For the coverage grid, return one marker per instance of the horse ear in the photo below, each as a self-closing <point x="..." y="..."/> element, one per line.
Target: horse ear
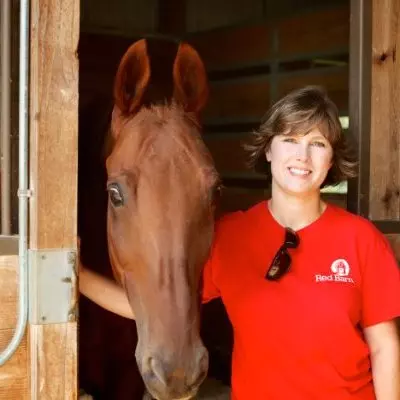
<point x="132" y="77"/>
<point x="190" y="79"/>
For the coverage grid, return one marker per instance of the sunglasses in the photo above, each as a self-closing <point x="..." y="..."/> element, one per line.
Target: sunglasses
<point x="281" y="262"/>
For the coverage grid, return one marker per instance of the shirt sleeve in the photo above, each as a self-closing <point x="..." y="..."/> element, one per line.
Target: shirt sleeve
<point x="380" y="282"/>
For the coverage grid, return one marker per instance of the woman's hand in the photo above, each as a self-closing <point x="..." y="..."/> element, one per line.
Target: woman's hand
<point x="102" y="291"/>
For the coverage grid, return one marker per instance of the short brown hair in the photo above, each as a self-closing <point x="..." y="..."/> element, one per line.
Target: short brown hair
<point x="299" y="112"/>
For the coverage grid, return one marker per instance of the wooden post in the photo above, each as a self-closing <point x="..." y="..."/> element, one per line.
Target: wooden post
<point x="53" y="177"/>
<point x="375" y="114"/>
<point x="385" y="112"/>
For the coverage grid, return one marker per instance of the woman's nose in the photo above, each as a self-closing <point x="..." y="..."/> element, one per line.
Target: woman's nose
<point x="302" y="152"/>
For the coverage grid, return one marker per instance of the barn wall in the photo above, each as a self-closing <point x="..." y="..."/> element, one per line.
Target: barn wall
<point x="14" y="374"/>
<point x="255" y="51"/>
<point x="253" y="65"/>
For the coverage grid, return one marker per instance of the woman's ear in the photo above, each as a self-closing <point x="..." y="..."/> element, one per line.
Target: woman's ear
<point x="268" y="154"/>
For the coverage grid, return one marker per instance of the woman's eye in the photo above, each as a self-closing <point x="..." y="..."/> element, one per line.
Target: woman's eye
<point x="319" y="144"/>
<point x="115" y="194"/>
<point x="289" y="140"/>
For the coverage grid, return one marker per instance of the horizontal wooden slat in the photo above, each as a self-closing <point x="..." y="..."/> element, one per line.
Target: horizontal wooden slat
<point x="14" y="373"/>
<point x="234" y="46"/>
<point x="14" y="389"/>
<point x="16" y="366"/>
<point x="323" y="32"/>
<point x="395" y="243"/>
<point x="319" y="32"/>
<point x="233" y="199"/>
<point x="335" y="81"/>
<point x="238" y="99"/>
<point x="228" y="152"/>
<point x="8" y="245"/>
<point x="8" y="291"/>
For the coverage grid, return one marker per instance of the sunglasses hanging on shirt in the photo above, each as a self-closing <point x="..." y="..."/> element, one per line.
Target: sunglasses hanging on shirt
<point x="281" y="262"/>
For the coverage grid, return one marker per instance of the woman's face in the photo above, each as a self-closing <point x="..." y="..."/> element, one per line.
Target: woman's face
<point x="300" y="163"/>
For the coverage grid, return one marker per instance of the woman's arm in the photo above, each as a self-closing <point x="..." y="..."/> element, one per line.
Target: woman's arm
<point x="104" y="292"/>
<point x="384" y="344"/>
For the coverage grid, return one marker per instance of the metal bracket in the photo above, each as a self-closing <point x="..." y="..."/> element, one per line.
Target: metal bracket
<point x="52" y="286"/>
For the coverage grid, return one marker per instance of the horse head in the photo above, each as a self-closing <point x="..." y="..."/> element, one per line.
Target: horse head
<point x="161" y="180"/>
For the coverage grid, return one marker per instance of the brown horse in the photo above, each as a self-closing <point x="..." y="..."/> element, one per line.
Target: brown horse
<point x="160" y="183"/>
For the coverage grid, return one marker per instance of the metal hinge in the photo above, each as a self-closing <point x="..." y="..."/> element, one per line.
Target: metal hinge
<point x="52" y="286"/>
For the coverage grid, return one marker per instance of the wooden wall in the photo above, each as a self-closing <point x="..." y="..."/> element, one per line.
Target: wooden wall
<point x="14" y="375"/>
<point x="375" y="121"/>
<point x="252" y="66"/>
<point x="53" y="179"/>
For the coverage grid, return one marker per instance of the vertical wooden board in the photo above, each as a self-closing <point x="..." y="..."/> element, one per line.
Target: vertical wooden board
<point x="385" y="112"/>
<point x="53" y="122"/>
<point x="54" y="347"/>
<point x="53" y="171"/>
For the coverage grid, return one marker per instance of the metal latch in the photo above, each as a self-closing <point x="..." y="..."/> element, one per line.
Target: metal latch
<point x="52" y="286"/>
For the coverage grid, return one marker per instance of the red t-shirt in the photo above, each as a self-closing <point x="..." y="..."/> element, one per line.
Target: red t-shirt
<point x="301" y="337"/>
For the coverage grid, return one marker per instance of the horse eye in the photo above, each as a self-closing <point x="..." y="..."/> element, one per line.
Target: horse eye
<point x="115" y="193"/>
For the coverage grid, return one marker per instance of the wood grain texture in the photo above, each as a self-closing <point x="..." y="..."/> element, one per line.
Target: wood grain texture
<point x="385" y="112"/>
<point x="394" y="240"/>
<point x="54" y="120"/>
<point x="14" y="373"/>
<point x="241" y="99"/>
<point x="53" y="170"/>
<point x="318" y="32"/>
<point x="8" y="291"/>
<point x="53" y="361"/>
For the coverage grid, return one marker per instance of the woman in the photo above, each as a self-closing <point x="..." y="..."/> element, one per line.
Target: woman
<point x="311" y="290"/>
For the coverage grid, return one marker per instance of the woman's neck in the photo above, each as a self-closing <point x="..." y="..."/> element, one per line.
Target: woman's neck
<point x="295" y="212"/>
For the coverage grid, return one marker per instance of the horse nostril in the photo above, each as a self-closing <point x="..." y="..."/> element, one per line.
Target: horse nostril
<point x="201" y="371"/>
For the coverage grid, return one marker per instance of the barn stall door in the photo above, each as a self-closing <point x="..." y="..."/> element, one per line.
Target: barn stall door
<point x="44" y="365"/>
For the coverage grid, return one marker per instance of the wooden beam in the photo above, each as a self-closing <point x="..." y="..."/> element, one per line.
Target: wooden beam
<point x="360" y="102"/>
<point x="385" y="112"/>
<point x="53" y="171"/>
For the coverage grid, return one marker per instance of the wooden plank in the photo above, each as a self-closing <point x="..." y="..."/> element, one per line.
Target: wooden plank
<point x="227" y="152"/>
<point x="395" y="243"/>
<point x="230" y="47"/>
<point x="53" y="171"/>
<point x="14" y="389"/>
<point x="318" y="32"/>
<point x="335" y="81"/>
<point x="54" y="348"/>
<point x="385" y="113"/>
<point x="14" y="373"/>
<point x="235" y="198"/>
<point x="53" y="123"/>
<point x="16" y="366"/>
<point x="8" y="291"/>
<point x="247" y="99"/>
